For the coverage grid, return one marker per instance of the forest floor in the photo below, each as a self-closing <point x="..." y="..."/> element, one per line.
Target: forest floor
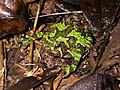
<point x="28" y="63"/>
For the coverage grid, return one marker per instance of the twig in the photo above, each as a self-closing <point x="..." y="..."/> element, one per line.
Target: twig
<point x="5" y="65"/>
<point x="57" y="81"/>
<point x="21" y="67"/>
<point x="34" y="28"/>
<point x="1" y="67"/>
<point x="31" y="53"/>
<point x="36" y="18"/>
<point x="62" y="13"/>
<point x="40" y="28"/>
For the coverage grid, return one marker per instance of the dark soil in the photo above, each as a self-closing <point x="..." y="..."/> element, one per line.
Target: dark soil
<point x="32" y="66"/>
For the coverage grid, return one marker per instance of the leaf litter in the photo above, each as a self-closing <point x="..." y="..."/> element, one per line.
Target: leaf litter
<point x="52" y="54"/>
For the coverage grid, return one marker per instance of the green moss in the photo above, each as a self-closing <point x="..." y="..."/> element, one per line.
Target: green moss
<point x="60" y="26"/>
<point x="70" y="39"/>
<point x="65" y="38"/>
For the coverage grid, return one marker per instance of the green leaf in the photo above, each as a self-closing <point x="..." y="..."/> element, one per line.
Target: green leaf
<point x="62" y="39"/>
<point x="67" y="68"/>
<point x="76" y="27"/>
<point x="48" y="39"/>
<point x="74" y="34"/>
<point x="21" y="39"/>
<point x="75" y="55"/>
<point x="39" y="34"/>
<point x="73" y="67"/>
<point x="89" y="38"/>
<point x="26" y="42"/>
<point x="81" y="40"/>
<point x="60" y="26"/>
<point x="52" y="34"/>
<point x="86" y="30"/>
<point x="31" y="38"/>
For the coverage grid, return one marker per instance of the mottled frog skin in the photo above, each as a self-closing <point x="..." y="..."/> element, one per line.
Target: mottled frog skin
<point x="12" y="17"/>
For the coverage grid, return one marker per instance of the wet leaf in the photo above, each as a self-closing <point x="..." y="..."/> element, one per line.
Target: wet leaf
<point x="13" y="17"/>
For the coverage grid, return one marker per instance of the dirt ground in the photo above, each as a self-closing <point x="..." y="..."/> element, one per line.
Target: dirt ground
<point x="26" y="63"/>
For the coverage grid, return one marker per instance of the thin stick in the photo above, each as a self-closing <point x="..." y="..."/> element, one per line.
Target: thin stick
<point x="5" y="65"/>
<point x="40" y="28"/>
<point x="36" y="18"/>
<point x="34" y="29"/>
<point x="62" y="13"/>
<point x="1" y="67"/>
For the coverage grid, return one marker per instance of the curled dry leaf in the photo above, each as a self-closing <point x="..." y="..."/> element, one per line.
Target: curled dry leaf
<point x="12" y="17"/>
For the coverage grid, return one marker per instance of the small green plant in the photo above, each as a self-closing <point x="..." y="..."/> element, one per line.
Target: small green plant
<point x="26" y="41"/>
<point x="65" y="38"/>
